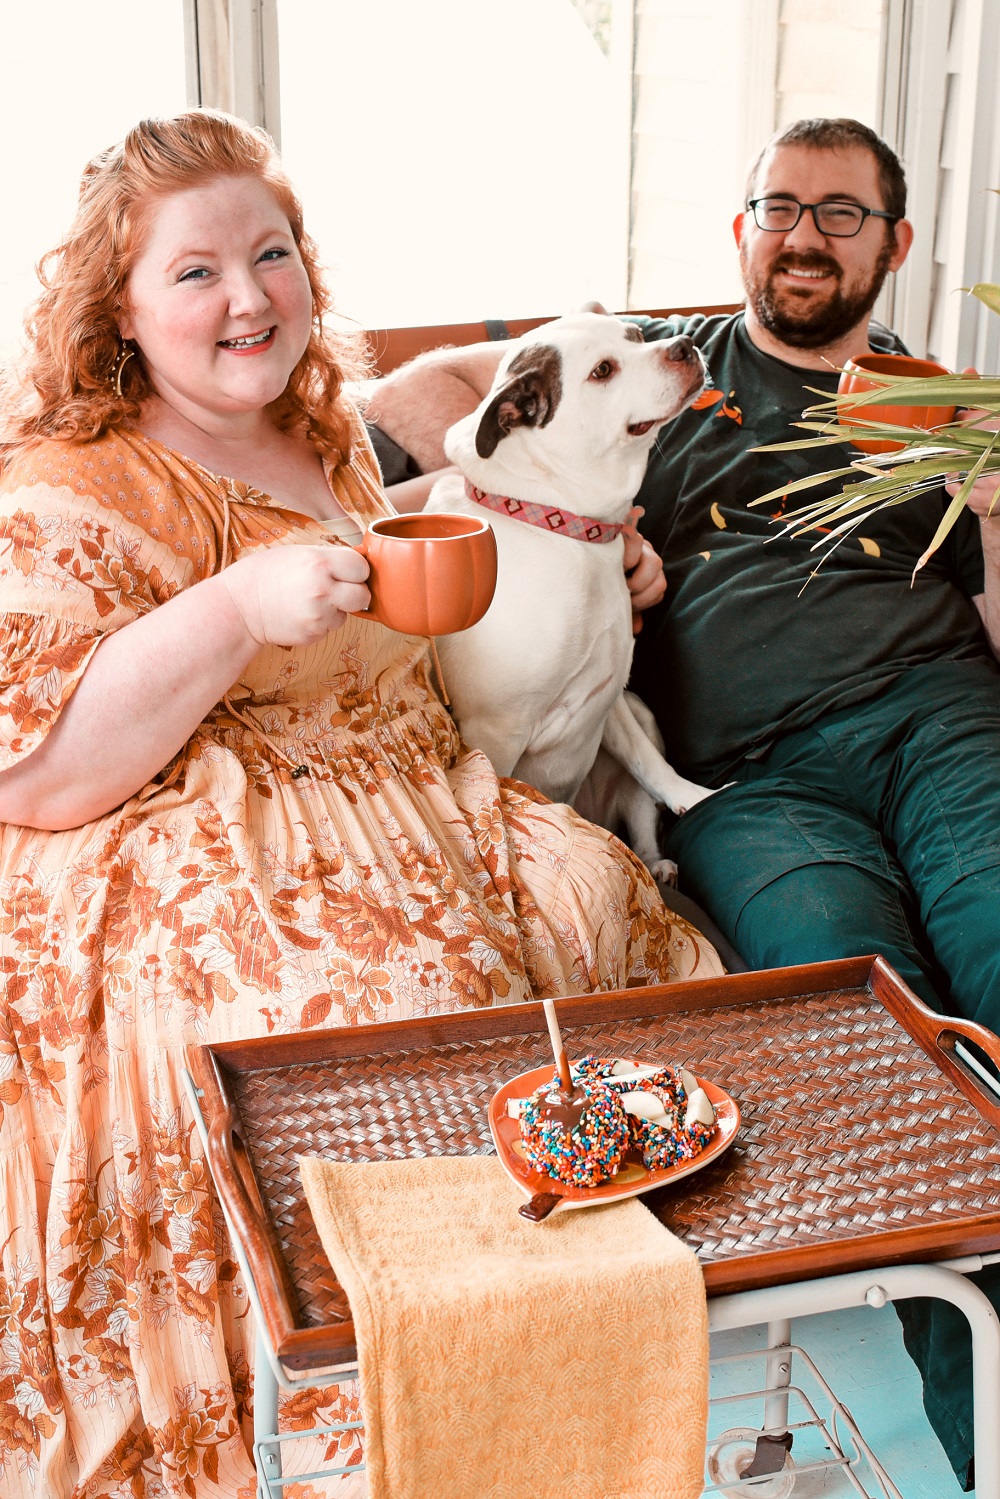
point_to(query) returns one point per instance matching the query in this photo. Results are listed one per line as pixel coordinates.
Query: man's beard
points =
(813, 326)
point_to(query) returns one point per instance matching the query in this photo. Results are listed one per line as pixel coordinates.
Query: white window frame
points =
(954, 132)
(231, 51)
(232, 63)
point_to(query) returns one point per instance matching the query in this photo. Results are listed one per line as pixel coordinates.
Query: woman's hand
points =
(150, 684)
(643, 569)
(294, 595)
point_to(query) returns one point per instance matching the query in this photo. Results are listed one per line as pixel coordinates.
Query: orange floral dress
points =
(227, 899)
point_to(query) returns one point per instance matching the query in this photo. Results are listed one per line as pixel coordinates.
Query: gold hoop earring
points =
(125, 353)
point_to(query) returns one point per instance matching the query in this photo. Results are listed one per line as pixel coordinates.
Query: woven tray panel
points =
(848, 1128)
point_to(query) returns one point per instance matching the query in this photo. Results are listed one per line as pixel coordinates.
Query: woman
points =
(229, 806)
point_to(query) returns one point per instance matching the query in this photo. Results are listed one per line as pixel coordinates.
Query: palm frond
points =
(988, 294)
(956, 507)
(962, 451)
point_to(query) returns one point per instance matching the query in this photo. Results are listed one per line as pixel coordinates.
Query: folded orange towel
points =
(501, 1359)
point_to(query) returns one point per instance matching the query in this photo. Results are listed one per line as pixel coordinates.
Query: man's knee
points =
(821, 912)
(817, 912)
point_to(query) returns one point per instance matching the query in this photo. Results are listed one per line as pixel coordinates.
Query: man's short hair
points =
(832, 135)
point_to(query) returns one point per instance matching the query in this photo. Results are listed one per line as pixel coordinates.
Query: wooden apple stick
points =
(558, 1050)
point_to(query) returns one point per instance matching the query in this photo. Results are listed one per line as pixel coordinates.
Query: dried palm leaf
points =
(960, 451)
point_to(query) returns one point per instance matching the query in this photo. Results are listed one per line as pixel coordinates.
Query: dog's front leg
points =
(640, 816)
(625, 740)
(482, 732)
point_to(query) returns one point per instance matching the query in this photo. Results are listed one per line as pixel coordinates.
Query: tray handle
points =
(236, 1183)
(234, 1174)
(948, 1030)
(939, 1035)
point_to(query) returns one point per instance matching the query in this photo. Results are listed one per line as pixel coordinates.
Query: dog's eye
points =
(604, 370)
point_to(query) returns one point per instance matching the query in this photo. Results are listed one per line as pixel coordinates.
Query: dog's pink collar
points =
(548, 517)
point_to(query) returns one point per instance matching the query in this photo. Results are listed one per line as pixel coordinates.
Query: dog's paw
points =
(688, 795)
(664, 871)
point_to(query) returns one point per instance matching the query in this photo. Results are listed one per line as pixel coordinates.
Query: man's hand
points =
(984, 500)
(643, 569)
(984, 496)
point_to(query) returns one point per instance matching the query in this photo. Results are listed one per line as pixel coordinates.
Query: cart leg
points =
(265, 1419)
(778, 1377)
(775, 1441)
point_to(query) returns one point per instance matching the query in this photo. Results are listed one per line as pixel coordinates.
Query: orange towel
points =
(501, 1359)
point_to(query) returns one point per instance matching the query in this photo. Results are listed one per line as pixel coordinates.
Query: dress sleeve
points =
(72, 570)
(41, 661)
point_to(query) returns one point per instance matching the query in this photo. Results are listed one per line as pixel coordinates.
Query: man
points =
(857, 821)
(853, 719)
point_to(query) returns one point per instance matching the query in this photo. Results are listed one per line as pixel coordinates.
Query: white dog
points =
(612, 796)
(554, 456)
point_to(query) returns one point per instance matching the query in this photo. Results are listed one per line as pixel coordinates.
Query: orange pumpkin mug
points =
(430, 574)
(855, 378)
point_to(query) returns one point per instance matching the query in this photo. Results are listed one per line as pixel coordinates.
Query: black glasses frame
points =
(866, 213)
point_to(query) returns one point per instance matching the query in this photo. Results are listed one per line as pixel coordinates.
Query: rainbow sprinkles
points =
(660, 1113)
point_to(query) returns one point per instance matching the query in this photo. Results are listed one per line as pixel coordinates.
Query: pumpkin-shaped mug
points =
(431, 574)
(856, 377)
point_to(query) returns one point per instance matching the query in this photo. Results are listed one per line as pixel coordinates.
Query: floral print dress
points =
(227, 899)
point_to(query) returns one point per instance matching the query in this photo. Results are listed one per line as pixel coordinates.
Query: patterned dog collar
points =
(548, 517)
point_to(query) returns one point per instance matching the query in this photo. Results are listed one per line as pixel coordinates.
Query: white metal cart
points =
(805, 1050)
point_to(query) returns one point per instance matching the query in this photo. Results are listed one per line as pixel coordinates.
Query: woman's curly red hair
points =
(67, 386)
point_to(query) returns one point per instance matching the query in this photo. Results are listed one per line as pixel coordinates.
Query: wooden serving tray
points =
(865, 1140)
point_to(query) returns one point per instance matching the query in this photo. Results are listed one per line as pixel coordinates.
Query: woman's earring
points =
(125, 353)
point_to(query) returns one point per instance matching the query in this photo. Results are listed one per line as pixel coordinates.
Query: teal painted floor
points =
(860, 1353)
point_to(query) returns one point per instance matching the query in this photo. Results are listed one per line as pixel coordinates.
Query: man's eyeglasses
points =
(841, 220)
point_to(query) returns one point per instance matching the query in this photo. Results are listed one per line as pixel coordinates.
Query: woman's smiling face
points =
(219, 302)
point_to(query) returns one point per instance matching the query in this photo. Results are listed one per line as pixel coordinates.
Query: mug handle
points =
(362, 547)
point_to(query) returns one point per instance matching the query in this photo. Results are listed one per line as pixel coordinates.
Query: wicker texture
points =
(849, 1129)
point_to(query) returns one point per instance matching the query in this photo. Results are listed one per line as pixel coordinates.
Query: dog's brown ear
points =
(528, 399)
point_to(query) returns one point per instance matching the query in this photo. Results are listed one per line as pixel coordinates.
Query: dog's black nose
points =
(680, 350)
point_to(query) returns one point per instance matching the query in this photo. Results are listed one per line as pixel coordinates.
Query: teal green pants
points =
(876, 830)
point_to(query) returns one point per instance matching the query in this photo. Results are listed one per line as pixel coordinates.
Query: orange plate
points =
(631, 1178)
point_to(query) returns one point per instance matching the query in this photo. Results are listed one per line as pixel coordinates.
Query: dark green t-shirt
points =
(737, 653)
